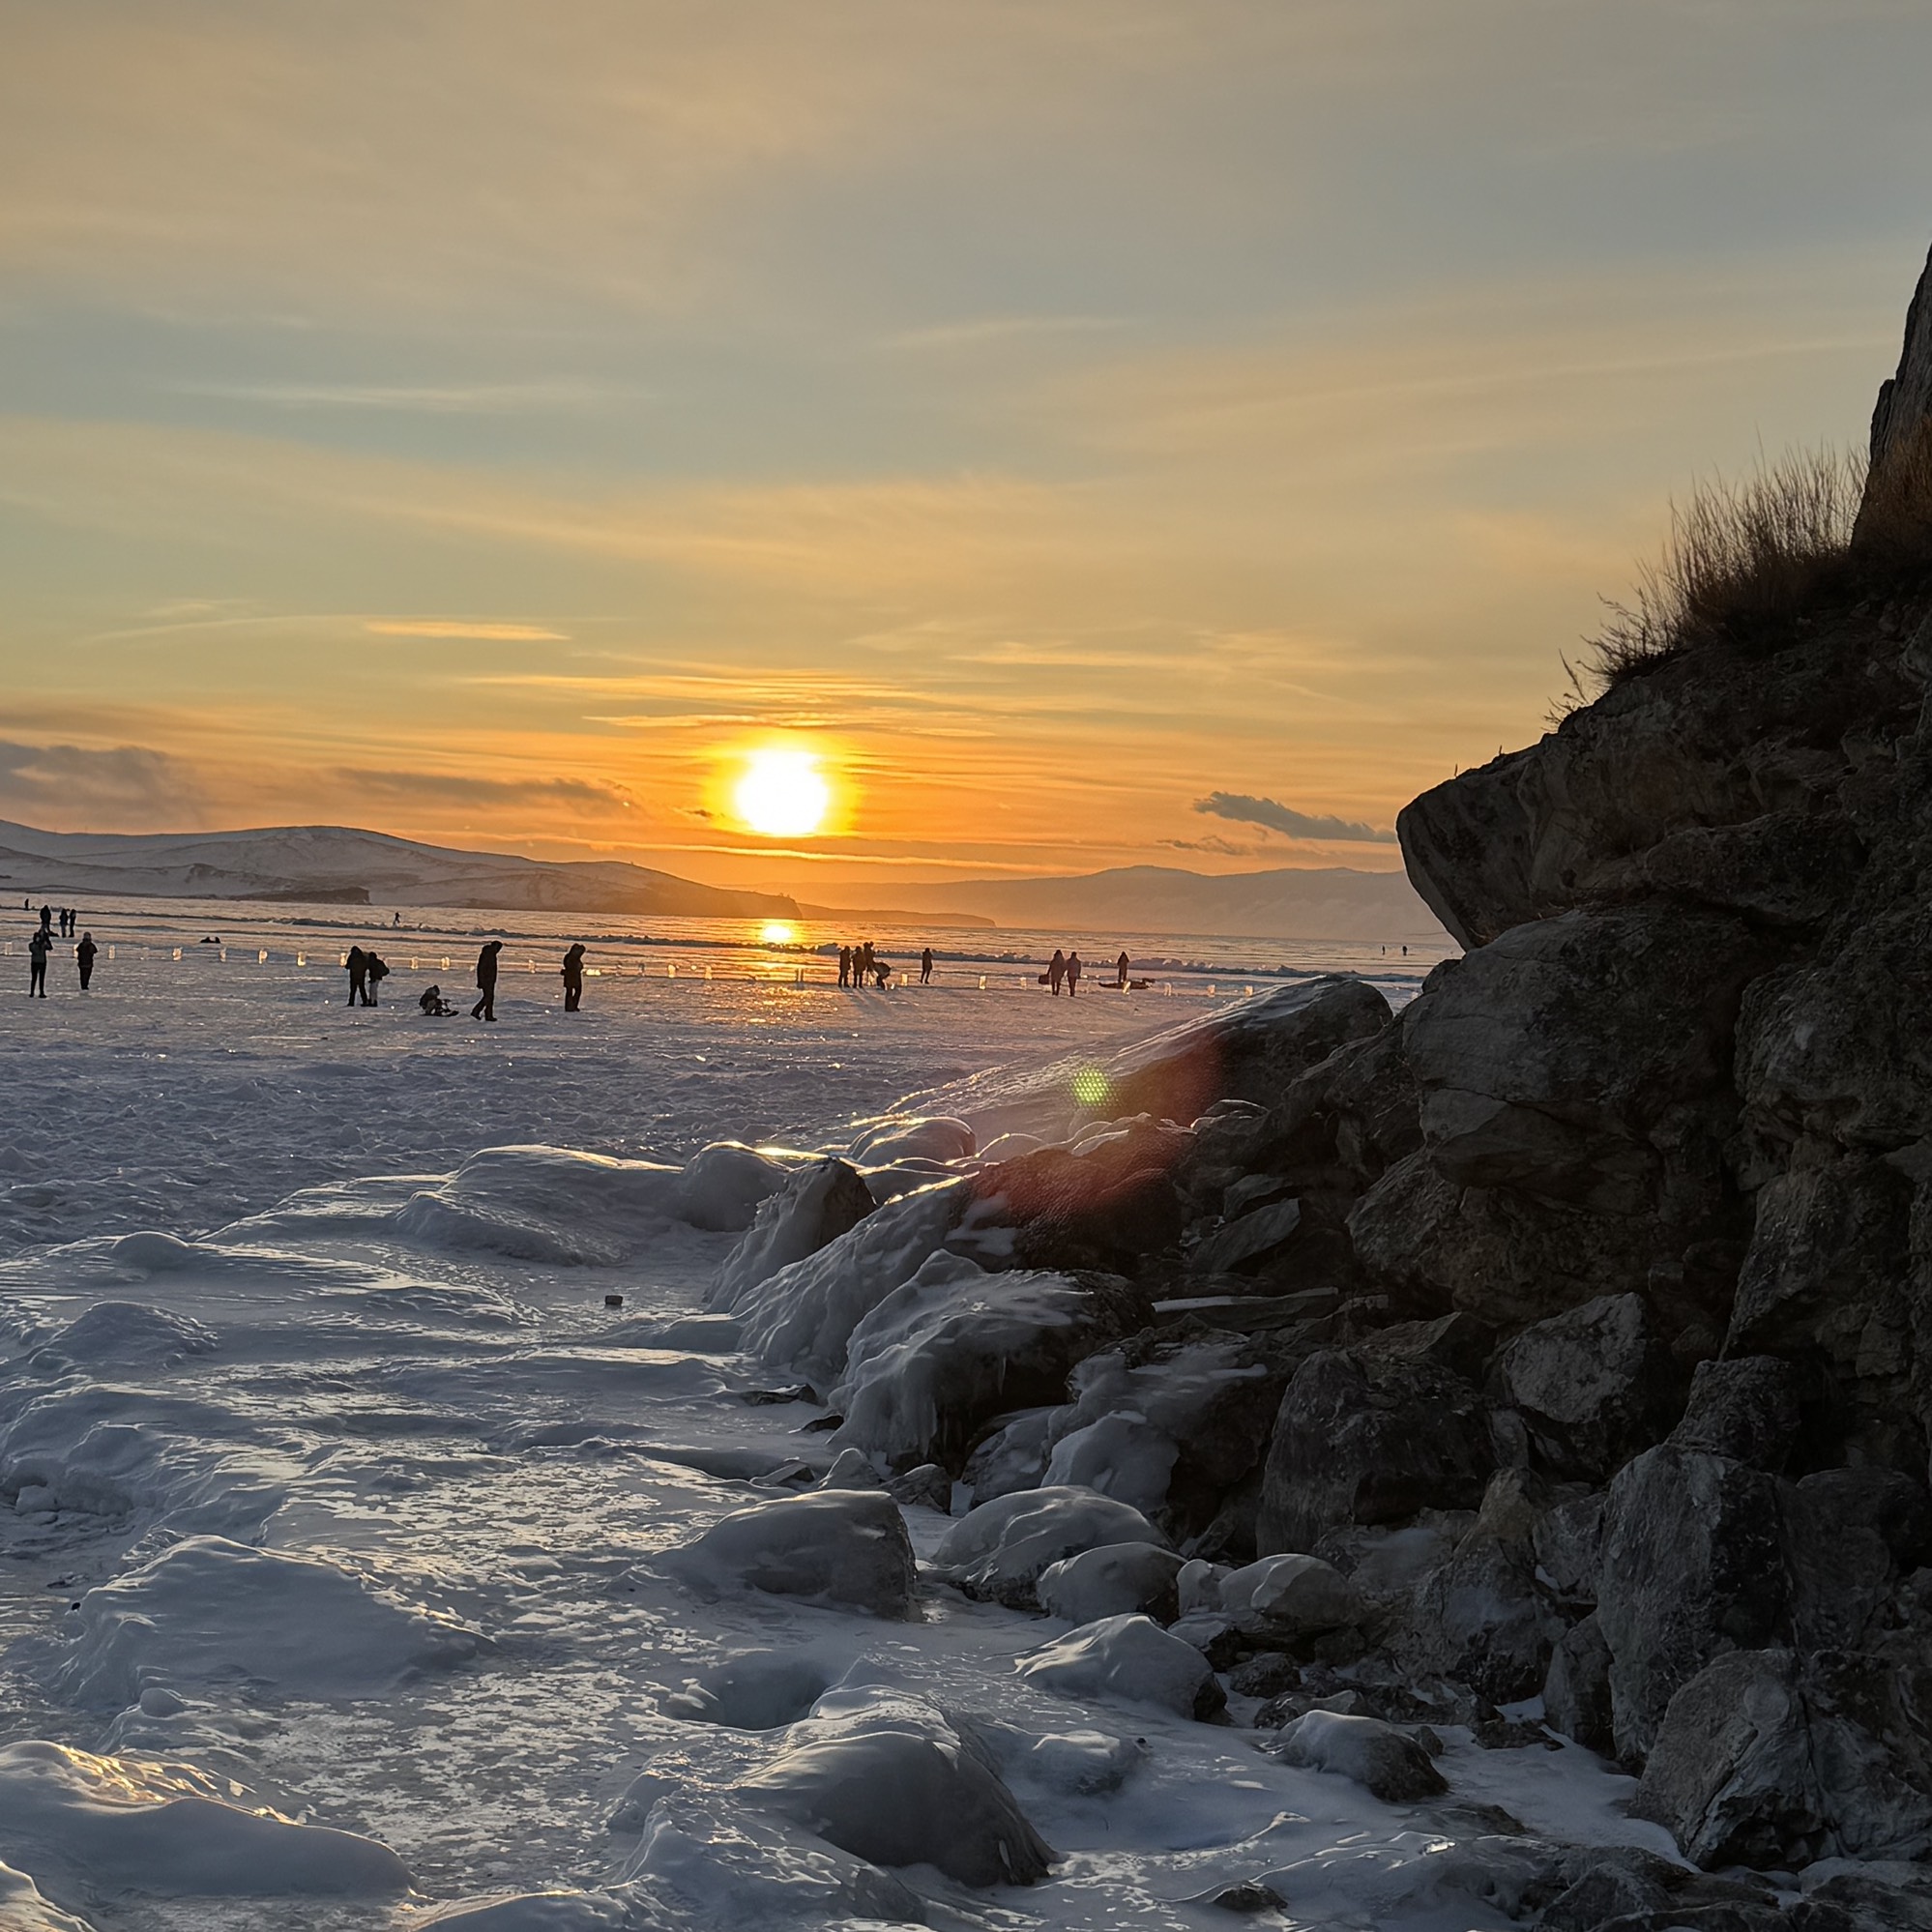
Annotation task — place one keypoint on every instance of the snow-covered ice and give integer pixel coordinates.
(368, 1560)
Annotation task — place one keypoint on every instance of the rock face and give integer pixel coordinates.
(1369, 1437)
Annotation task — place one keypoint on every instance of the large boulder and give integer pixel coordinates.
(813, 1207)
(1284, 1600)
(1375, 1755)
(1107, 1203)
(1748, 1407)
(998, 1550)
(1593, 1385)
(884, 1775)
(1168, 1424)
(1692, 1567)
(847, 1548)
(1371, 1438)
(1561, 1058)
(1774, 1758)
(1250, 1052)
(1115, 1580)
(1576, 1689)
(1130, 1658)
(943, 1354)
(802, 1317)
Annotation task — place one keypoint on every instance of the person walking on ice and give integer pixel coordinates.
(1056, 971)
(925, 966)
(83, 957)
(573, 979)
(38, 949)
(1072, 974)
(486, 1007)
(358, 963)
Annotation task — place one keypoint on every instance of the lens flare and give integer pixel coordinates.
(782, 794)
(776, 933)
(1090, 1087)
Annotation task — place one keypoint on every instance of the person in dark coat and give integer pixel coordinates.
(925, 966)
(1056, 971)
(845, 966)
(358, 977)
(486, 1007)
(1121, 968)
(38, 949)
(1072, 974)
(378, 970)
(433, 1005)
(573, 979)
(83, 956)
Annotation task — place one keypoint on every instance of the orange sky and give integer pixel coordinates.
(1099, 433)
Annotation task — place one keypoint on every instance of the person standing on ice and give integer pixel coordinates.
(573, 979)
(46, 919)
(378, 970)
(38, 949)
(925, 966)
(845, 966)
(1072, 974)
(358, 963)
(486, 1007)
(1056, 971)
(83, 956)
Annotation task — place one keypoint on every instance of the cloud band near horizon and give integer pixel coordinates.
(1273, 816)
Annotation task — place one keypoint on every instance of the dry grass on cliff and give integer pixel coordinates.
(1740, 556)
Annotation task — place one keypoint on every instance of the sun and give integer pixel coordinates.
(782, 794)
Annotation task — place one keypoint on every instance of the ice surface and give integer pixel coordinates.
(330, 1287)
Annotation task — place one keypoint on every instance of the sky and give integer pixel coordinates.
(1089, 433)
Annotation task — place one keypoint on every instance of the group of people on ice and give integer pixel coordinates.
(367, 971)
(1065, 969)
(40, 949)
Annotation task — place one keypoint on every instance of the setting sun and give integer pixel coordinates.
(782, 794)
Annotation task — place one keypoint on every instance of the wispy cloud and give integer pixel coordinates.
(456, 788)
(504, 398)
(1273, 816)
(463, 627)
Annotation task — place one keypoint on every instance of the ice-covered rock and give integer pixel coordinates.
(719, 1861)
(1593, 1385)
(809, 1208)
(1288, 1598)
(928, 1137)
(1376, 1755)
(24, 1907)
(1106, 1204)
(846, 1547)
(1369, 1437)
(722, 1187)
(1011, 1456)
(999, 1549)
(1773, 1759)
(760, 1690)
(1115, 1580)
(126, 1335)
(884, 1775)
(171, 1832)
(1129, 1658)
(803, 1316)
(545, 1204)
(1168, 1426)
(206, 1609)
(851, 1468)
(942, 1355)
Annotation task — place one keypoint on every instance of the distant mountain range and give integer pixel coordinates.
(336, 865)
(329, 864)
(1287, 902)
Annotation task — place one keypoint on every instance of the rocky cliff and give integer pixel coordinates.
(1567, 1335)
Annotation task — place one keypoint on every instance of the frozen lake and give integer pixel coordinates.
(252, 1294)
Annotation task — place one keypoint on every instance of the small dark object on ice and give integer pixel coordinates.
(1249, 1896)
(771, 1399)
(613, 1301)
(821, 1425)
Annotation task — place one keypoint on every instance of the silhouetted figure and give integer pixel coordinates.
(1056, 971)
(378, 970)
(861, 963)
(359, 975)
(38, 949)
(1072, 974)
(433, 1005)
(486, 1008)
(83, 956)
(845, 966)
(397, 921)
(1121, 971)
(573, 979)
(925, 966)
(46, 919)
(881, 969)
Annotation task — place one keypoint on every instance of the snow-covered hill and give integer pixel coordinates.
(336, 864)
